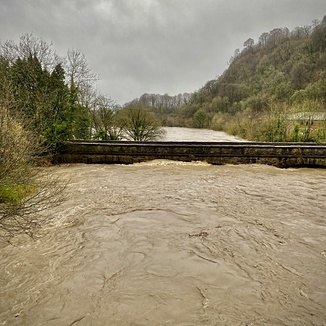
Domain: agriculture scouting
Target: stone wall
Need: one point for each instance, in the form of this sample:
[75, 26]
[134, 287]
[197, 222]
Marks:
[277, 154]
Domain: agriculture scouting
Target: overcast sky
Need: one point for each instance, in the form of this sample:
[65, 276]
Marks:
[153, 46]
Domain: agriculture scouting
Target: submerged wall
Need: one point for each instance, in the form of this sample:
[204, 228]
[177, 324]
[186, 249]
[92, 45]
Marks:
[277, 154]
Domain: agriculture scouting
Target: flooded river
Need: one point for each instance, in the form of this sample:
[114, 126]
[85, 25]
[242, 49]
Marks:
[172, 243]
[197, 135]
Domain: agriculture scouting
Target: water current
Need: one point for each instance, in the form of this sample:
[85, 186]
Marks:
[197, 135]
[173, 243]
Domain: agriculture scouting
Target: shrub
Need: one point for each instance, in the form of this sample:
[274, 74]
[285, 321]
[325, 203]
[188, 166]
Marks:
[24, 192]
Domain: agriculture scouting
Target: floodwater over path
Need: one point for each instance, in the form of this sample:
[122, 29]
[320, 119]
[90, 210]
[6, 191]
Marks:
[173, 243]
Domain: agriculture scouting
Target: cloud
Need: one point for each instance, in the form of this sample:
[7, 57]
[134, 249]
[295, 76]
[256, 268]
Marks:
[159, 46]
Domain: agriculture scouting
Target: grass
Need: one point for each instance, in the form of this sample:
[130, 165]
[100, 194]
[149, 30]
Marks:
[14, 193]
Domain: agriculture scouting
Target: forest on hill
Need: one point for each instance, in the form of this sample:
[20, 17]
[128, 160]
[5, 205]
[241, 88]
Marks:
[273, 90]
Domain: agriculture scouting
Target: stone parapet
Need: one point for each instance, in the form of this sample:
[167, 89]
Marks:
[120, 152]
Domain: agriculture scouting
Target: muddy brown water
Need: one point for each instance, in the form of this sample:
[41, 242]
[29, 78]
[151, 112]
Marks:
[172, 243]
[197, 135]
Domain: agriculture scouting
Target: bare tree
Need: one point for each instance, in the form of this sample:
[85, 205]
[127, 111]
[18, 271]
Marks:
[249, 43]
[30, 45]
[103, 113]
[263, 38]
[78, 70]
[138, 123]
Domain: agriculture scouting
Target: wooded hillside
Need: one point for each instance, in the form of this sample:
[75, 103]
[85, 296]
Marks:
[273, 90]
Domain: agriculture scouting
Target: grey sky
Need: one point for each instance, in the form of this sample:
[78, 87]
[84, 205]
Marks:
[153, 46]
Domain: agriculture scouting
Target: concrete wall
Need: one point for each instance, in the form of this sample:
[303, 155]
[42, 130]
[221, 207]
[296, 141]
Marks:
[277, 154]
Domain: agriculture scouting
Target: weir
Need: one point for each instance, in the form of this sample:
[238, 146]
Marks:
[282, 155]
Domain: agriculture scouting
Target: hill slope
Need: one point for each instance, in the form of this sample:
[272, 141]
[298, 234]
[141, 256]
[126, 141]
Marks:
[274, 90]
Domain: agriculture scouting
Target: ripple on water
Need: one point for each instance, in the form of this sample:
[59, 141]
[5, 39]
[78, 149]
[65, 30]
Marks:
[172, 243]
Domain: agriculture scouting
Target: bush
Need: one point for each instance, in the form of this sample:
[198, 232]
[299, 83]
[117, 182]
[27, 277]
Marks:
[138, 123]
[24, 190]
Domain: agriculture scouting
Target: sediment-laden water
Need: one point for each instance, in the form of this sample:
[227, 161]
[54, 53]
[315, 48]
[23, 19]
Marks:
[172, 243]
[197, 135]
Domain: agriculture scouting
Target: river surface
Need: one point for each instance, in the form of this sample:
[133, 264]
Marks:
[173, 243]
[197, 135]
